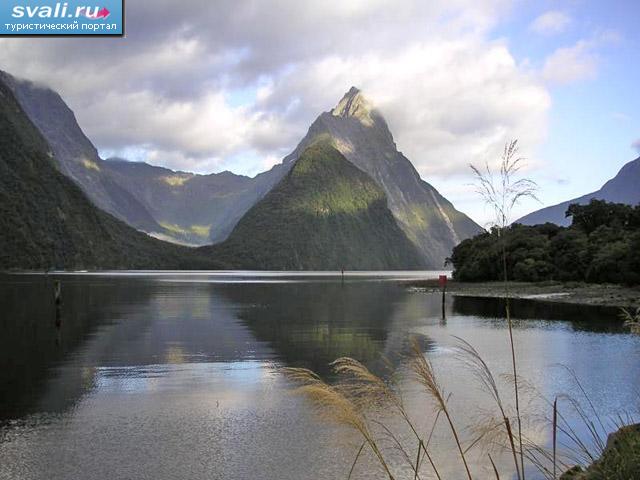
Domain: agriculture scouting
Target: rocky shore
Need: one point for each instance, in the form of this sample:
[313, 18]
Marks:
[620, 459]
[570, 292]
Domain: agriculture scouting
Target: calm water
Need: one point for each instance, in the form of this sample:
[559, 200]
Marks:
[175, 376]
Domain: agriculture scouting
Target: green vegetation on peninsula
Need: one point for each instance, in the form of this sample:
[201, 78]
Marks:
[602, 245]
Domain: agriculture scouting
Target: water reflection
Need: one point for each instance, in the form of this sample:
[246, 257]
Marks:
[37, 334]
[585, 318]
[174, 376]
[311, 324]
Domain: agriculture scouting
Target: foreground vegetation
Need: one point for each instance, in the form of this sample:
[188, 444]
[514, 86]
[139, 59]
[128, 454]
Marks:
[602, 245]
[399, 442]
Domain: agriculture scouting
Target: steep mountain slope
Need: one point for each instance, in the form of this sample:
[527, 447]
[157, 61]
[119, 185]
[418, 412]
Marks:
[47, 222]
[76, 156]
[362, 135]
[176, 206]
[623, 188]
[325, 214]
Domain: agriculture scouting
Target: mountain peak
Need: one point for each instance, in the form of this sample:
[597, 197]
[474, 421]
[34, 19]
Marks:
[354, 104]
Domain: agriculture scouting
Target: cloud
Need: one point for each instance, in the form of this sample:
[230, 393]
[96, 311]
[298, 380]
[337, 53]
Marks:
[578, 62]
[621, 117]
[203, 86]
[636, 145]
[550, 23]
[571, 64]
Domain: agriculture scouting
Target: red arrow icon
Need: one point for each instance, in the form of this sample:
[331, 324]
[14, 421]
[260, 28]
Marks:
[103, 13]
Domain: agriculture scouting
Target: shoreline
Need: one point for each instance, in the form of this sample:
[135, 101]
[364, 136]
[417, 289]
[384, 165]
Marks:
[577, 293]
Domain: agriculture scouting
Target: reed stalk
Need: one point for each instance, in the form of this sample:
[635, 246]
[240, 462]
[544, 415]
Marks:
[495, 470]
[425, 375]
[555, 437]
[502, 194]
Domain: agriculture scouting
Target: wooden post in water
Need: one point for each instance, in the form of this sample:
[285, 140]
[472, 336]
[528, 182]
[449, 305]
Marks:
[58, 302]
[442, 280]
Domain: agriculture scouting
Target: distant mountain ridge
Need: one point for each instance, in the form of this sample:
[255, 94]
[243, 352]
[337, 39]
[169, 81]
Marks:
[197, 209]
[623, 188]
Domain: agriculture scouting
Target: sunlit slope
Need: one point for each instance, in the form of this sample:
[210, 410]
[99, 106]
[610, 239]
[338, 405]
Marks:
[325, 214]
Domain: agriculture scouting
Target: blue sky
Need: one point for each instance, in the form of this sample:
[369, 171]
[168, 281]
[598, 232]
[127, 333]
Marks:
[593, 121]
[207, 86]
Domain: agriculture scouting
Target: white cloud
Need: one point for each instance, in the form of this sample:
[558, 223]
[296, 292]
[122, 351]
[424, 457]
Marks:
[450, 102]
[621, 117]
[636, 145]
[197, 86]
[579, 61]
[550, 23]
[571, 64]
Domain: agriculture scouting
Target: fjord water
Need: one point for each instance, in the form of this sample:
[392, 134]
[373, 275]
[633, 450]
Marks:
[176, 375]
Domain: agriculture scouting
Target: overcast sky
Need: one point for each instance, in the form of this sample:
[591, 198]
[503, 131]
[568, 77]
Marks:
[206, 86]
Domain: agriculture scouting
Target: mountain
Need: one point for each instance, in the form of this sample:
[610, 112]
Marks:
[362, 135]
[196, 209]
[200, 209]
[75, 155]
[46, 221]
[325, 214]
[623, 188]
[176, 206]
